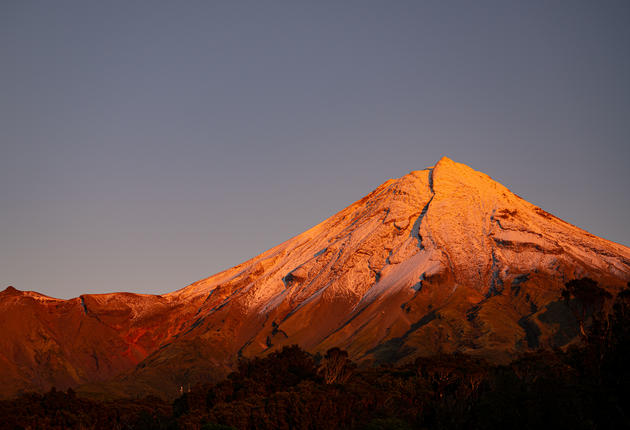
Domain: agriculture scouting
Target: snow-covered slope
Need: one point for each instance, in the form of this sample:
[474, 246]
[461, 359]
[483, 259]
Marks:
[442, 259]
[446, 217]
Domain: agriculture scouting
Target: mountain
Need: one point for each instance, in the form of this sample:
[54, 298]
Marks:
[440, 260]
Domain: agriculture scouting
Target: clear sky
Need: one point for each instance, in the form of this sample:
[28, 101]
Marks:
[146, 145]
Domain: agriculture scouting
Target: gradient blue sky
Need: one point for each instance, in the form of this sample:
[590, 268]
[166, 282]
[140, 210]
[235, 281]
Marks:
[146, 145]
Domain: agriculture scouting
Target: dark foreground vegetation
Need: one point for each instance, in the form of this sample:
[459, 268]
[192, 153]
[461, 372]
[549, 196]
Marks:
[582, 388]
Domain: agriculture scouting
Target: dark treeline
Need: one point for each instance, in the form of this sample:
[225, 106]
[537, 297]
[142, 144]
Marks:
[583, 387]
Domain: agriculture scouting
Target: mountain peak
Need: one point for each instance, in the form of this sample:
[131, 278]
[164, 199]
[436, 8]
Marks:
[445, 161]
[10, 290]
[453, 175]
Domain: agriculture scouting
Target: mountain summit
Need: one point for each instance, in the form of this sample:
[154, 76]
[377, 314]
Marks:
[440, 260]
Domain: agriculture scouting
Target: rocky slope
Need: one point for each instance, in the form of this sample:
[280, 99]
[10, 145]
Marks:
[49, 342]
[443, 259]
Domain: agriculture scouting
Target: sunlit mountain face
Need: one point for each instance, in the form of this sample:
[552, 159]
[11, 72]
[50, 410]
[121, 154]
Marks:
[442, 260]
